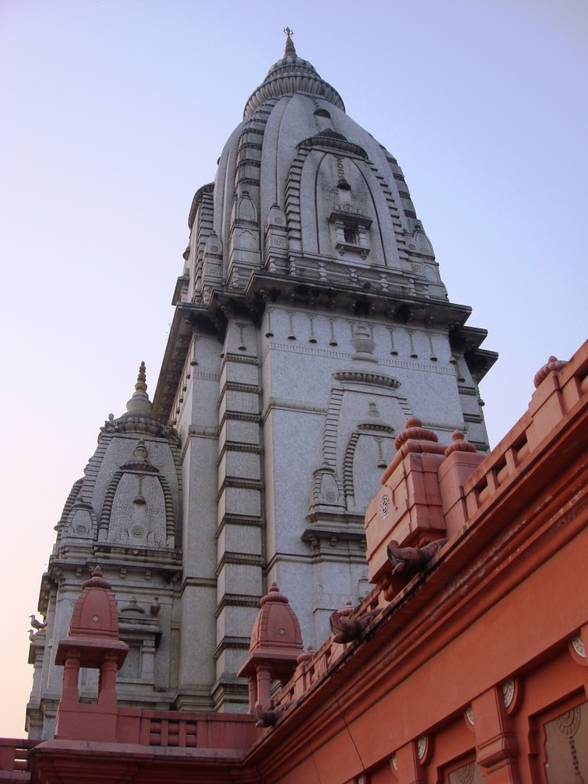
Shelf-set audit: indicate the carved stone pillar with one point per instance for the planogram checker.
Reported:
(407, 765)
(264, 684)
(496, 744)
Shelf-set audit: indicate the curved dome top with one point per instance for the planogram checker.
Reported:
(291, 75)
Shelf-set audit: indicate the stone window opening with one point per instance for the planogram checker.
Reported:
(350, 235)
(350, 231)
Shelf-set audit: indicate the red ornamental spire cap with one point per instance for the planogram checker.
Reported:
(553, 365)
(276, 627)
(415, 431)
(95, 614)
(459, 444)
(97, 580)
(273, 595)
(306, 656)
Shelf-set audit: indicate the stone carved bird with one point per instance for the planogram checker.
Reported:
(410, 560)
(267, 718)
(37, 624)
(346, 629)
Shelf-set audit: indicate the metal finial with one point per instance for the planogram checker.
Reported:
(290, 49)
(141, 378)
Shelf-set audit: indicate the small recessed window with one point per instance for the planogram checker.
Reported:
(350, 235)
(322, 113)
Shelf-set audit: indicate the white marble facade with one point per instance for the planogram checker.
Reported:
(310, 322)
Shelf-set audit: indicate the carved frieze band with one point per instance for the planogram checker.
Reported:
(233, 481)
(202, 431)
(232, 643)
(397, 363)
(241, 358)
(199, 582)
(237, 446)
(236, 600)
(289, 404)
(236, 386)
(239, 415)
(240, 559)
(233, 519)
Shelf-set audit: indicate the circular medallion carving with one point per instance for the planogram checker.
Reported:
(465, 775)
(508, 690)
(569, 722)
(578, 646)
(81, 529)
(384, 506)
(421, 746)
(138, 530)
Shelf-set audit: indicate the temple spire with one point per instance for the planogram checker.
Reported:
(141, 385)
(139, 402)
(290, 50)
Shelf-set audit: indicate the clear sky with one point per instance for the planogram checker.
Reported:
(114, 112)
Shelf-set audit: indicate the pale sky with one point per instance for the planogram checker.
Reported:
(114, 114)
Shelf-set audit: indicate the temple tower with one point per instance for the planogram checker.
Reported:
(310, 322)
(124, 514)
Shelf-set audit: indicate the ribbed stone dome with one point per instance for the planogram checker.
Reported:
(292, 75)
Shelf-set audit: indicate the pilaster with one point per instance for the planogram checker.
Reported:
(239, 534)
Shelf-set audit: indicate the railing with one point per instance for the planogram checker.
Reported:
(557, 396)
(14, 758)
(185, 729)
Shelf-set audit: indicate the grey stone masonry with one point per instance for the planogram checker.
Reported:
(310, 322)
(315, 287)
(240, 556)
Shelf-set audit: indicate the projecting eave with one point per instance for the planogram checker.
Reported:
(467, 340)
(178, 343)
(267, 288)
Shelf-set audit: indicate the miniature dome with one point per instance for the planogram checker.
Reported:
(93, 630)
(275, 638)
(139, 402)
(138, 416)
(291, 75)
(276, 628)
(95, 613)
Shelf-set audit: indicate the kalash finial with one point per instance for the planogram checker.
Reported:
(141, 385)
(139, 403)
(290, 50)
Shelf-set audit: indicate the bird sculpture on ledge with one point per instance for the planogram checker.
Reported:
(410, 560)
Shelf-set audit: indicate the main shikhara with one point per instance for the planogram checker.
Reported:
(310, 323)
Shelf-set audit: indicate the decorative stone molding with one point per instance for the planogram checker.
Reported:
(353, 376)
(289, 75)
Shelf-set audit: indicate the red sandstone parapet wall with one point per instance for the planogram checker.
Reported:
(467, 667)
(477, 658)
(431, 491)
(466, 487)
(185, 729)
(13, 759)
